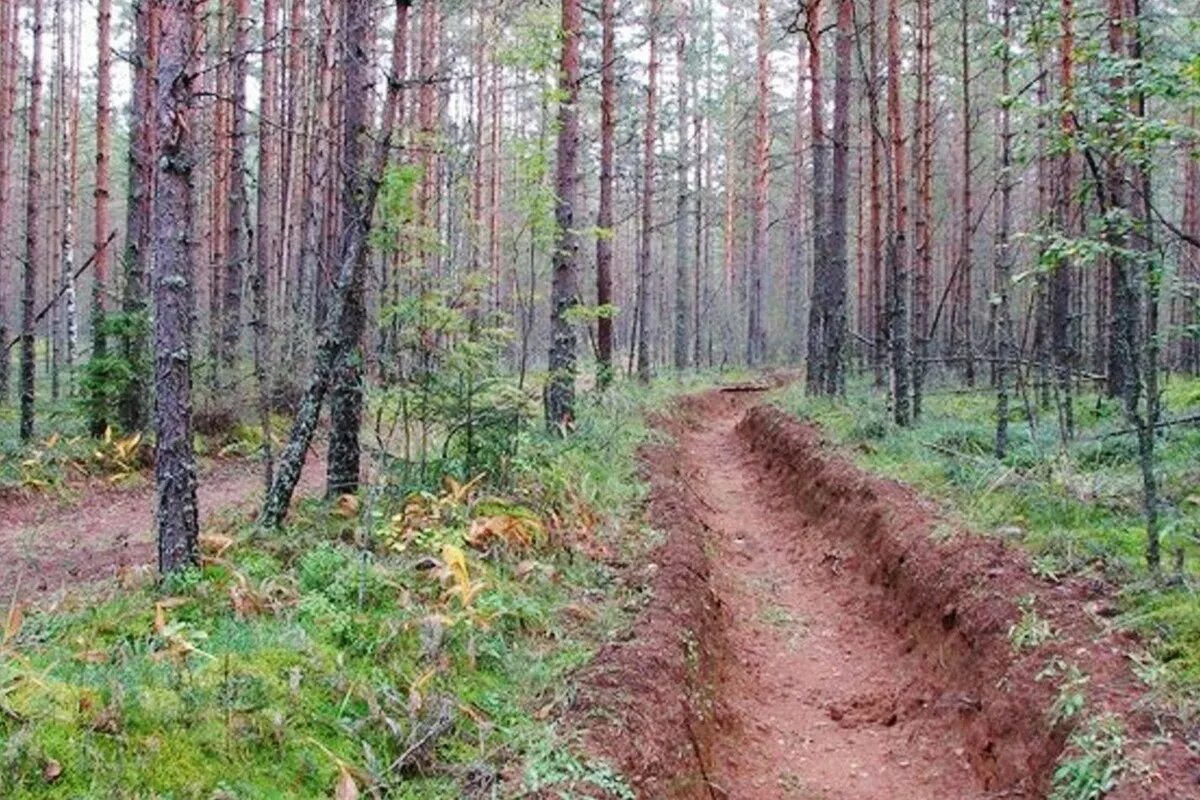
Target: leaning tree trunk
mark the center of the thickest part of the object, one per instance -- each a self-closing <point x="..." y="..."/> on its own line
<point x="560" y="391"/>
<point x="173" y="211"/>
<point x="337" y="338"/>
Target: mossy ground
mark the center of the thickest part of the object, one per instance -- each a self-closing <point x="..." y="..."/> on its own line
<point x="1076" y="507"/>
<point x="294" y="659"/>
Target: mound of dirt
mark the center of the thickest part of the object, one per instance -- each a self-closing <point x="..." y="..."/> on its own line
<point x="814" y="631"/>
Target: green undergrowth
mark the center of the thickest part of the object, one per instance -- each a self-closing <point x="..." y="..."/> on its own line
<point x="421" y="647"/>
<point x="1077" y="509"/>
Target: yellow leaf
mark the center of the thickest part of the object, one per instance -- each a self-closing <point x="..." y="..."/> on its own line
<point x="215" y="544"/>
<point x="347" y="506"/>
<point x="347" y="788"/>
<point x="160" y="618"/>
<point x="16" y="617"/>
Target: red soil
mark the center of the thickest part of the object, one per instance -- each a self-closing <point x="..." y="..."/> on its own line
<point x="50" y="544"/>
<point x="814" y="633"/>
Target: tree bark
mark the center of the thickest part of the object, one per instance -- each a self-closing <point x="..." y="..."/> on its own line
<point x="645" y="367"/>
<point x="683" y="219"/>
<point x="266" y="242"/>
<point x="604" y="217"/>
<point x="756" y="339"/>
<point x="818" y="347"/>
<point x="237" y="251"/>
<point x="898" y="277"/>
<point x="9" y="58"/>
<point x="134" y="402"/>
<point x="834" y="306"/>
<point x="360" y="183"/>
<point x="33" y="232"/>
<point x="1004" y="350"/>
<point x="173" y="211"/>
<point x="560" y="391"/>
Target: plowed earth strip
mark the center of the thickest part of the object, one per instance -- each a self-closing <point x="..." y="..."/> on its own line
<point x="809" y="636"/>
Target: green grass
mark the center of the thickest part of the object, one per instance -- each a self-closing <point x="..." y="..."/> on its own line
<point x="1077" y="509"/>
<point x="323" y="650"/>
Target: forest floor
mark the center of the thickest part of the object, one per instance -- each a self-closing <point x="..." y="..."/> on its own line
<point x="95" y="531"/>
<point x="750" y="615"/>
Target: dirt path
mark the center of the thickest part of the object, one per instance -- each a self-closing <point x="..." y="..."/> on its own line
<point x="48" y="544"/>
<point x="811" y="686"/>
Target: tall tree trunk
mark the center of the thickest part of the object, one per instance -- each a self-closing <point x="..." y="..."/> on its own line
<point x="98" y="423"/>
<point x="756" y="340"/>
<point x="237" y="250"/>
<point x="9" y="58"/>
<point x="646" y="314"/>
<point x="134" y="401"/>
<point x="1190" y="261"/>
<point x="604" y="217"/>
<point x="835" y="289"/>
<point x="818" y="346"/>
<point x="266" y="243"/>
<point x="1004" y="338"/>
<point x="175" y="155"/>
<point x="923" y="221"/>
<point x="798" y="264"/>
<point x="33" y="200"/>
<point x="683" y="219"/>
<point x="965" y="284"/>
<point x="898" y="278"/>
<point x="1062" y="280"/>
<point x="878" y="295"/>
<point x="359" y="182"/>
<point x="560" y="391"/>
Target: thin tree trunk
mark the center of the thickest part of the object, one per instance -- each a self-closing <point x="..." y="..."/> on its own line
<point x="1062" y="280"/>
<point x="756" y="339"/>
<point x="898" y="288"/>
<point x="683" y="219"/>
<point x="560" y="391"/>
<point x="33" y="200"/>
<point x="818" y="347"/>
<point x="98" y="423"/>
<point x="967" y="257"/>
<point x="175" y="155"/>
<point x="1004" y="349"/>
<point x="237" y="250"/>
<point x="266" y="243"/>
<point x="134" y="402"/>
<point x="835" y="290"/>
<point x="923" y="222"/>
<point x="649" y="167"/>
<point x="9" y="58"/>
<point x="604" y="217"/>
